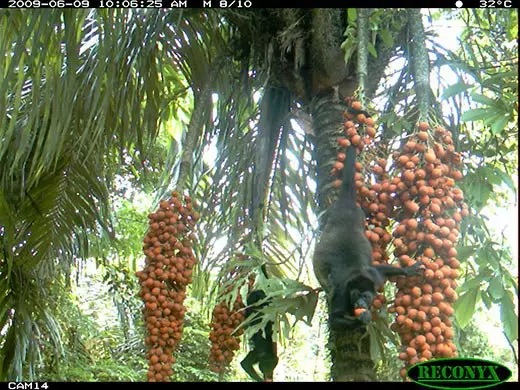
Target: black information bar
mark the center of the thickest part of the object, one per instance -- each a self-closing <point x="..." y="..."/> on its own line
<point x="218" y="385"/>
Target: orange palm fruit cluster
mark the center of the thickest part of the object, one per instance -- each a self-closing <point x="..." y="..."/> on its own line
<point x="224" y="341"/>
<point x="428" y="211"/>
<point x="168" y="271"/>
<point x="224" y="336"/>
<point x="358" y="130"/>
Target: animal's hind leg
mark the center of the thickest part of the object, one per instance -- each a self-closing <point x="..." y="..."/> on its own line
<point x="247" y="365"/>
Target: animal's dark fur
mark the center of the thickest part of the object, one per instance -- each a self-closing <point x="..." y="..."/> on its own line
<point x="263" y="348"/>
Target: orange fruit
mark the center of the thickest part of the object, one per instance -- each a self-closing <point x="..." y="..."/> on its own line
<point x="343" y="142"/>
<point x="356" y="105"/>
<point x="422" y="135"/>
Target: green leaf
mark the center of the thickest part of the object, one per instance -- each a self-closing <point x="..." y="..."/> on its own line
<point x="480" y="191"/>
<point x="348" y="53"/>
<point x="499" y="125"/>
<point x="483" y="99"/>
<point x="352" y="15"/>
<point x="372" y="49"/>
<point x="306" y="307"/>
<point x="492" y="258"/>
<point x="487" y="300"/>
<point x="465" y="307"/>
<point x="496" y="288"/>
<point x="492" y="176"/>
<point x="455" y="89"/>
<point x="382" y="325"/>
<point x="488" y="121"/>
<point x="376" y="350"/>
<point x="464" y="252"/>
<point x="506" y="179"/>
<point x="387" y="38"/>
<point x="244" y="289"/>
<point x="476" y="114"/>
<point x="470" y="284"/>
<point x="498" y="78"/>
<point x="509" y="318"/>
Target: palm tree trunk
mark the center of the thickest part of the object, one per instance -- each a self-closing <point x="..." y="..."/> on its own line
<point x="350" y="355"/>
<point x="350" y="350"/>
<point x="327" y="123"/>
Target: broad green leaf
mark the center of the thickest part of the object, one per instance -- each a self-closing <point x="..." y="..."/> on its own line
<point x="487" y="300"/>
<point x="499" y="125"/>
<point x="352" y="14"/>
<point x="491" y="175"/>
<point x="305" y="306"/>
<point x="476" y="114"/>
<point x="496" y="288"/>
<point x="465" y="307"/>
<point x="499" y="77"/>
<point x="382" y="325"/>
<point x="483" y="99"/>
<point x="376" y="345"/>
<point x="244" y="289"/>
<point x="455" y="89"/>
<point x="492" y="258"/>
<point x="506" y="179"/>
<point x="480" y="191"/>
<point x="464" y="252"/>
<point x="470" y="284"/>
<point x="387" y="38"/>
<point x="511" y="280"/>
<point x="488" y="121"/>
<point x="349" y="50"/>
<point x="481" y="258"/>
<point x="372" y="49"/>
<point x="509" y="318"/>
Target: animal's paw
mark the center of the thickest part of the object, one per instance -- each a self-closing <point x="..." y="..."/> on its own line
<point x="415" y="269"/>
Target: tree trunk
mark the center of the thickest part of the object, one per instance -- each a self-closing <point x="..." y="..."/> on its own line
<point x="350" y="355"/>
<point x="350" y="350"/>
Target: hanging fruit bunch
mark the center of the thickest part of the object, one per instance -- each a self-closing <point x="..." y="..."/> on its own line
<point x="428" y="212"/>
<point x="168" y="271"/>
<point x="225" y="341"/>
<point x="224" y="321"/>
<point x="359" y="130"/>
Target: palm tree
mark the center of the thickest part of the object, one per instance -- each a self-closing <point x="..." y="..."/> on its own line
<point x="86" y="94"/>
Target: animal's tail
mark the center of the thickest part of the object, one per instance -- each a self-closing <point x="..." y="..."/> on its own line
<point x="348" y="187"/>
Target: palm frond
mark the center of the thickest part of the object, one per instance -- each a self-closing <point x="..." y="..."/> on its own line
<point x="76" y="86"/>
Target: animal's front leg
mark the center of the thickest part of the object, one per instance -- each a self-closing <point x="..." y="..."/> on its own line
<point x="389" y="270"/>
<point x="415" y="269"/>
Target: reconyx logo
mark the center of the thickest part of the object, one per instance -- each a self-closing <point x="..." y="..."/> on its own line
<point x="459" y="373"/>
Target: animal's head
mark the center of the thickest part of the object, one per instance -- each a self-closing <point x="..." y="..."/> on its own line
<point x="361" y="297"/>
<point x="362" y="288"/>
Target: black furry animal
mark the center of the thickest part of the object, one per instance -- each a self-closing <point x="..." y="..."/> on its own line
<point x="263" y="348"/>
<point x="343" y="257"/>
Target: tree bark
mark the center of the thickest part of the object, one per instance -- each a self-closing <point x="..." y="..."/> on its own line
<point x="327" y="122"/>
<point x="350" y="355"/>
<point x="362" y="57"/>
<point x="419" y="61"/>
